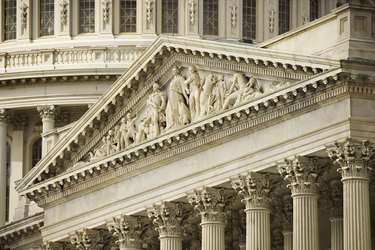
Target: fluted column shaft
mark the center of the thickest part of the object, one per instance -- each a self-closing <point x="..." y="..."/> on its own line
<point x="213" y="236"/>
<point x="288" y="239"/>
<point x="357" y="231"/>
<point x="258" y="233"/>
<point x="305" y="221"/>
<point x="170" y="243"/>
<point x="337" y="233"/>
<point x="3" y="169"/>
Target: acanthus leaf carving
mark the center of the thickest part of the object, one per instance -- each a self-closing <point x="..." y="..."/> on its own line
<point x="234" y="14"/>
<point x="192" y="10"/>
<point x="354" y="158"/>
<point x="167" y="218"/>
<point x="303" y="173"/>
<point x="255" y="188"/>
<point x="128" y="230"/>
<point x="64" y="12"/>
<point x="210" y="202"/>
<point x="149" y="10"/>
<point x="271" y="19"/>
<point x="24" y="16"/>
<point x="106" y="10"/>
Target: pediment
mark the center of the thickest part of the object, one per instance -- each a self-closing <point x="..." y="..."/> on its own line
<point x="174" y="87"/>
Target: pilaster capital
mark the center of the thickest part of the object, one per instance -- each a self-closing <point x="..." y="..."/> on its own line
<point x="87" y="239"/>
<point x="255" y="189"/>
<point x="353" y="157"/>
<point x="128" y="230"/>
<point x="210" y="202"/>
<point x="47" y="111"/>
<point x="167" y="218"/>
<point x="302" y="173"/>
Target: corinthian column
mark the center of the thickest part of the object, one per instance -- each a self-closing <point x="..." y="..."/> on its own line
<point x="3" y="165"/>
<point x="355" y="160"/>
<point x="255" y="188"/>
<point x="128" y="230"/>
<point x="167" y="218"/>
<point x="210" y="202"/>
<point x="336" y="216"/>
<point x="286" y="210"/>
<point x="88" y="239"/>
<point x="47" y="113"/>
<point x="302" y="174"/>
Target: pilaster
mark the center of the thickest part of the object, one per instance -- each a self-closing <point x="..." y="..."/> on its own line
<point x="24" y="28"/>
<point x="210" y="202"/>
<point x="3" y="161"/>
<point x="355" y="159"/>
<point x="105" y="17"/>
<point x="192" y="18"/>
<point x="255" y="188"/>
<point x="234" y="19"/>
<point x="149" y="18"/>
<point x="167" y="219"/>
<point x="128" y="231"/>
<point x="302" y="175"/>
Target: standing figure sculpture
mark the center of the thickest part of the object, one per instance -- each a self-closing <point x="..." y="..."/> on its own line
<point x="219" y="93"/>
<point x="143" y="130"/>
<point x="117" y="137"/>
<point x="177" y="113"/>
<point x="240" y="90"/>
<point x="123" y="132"/>
<point x="131" y="130"/>
<point x="206" y="97"/>
<point x="194" y="83"/>
<point x="155" y="110"/>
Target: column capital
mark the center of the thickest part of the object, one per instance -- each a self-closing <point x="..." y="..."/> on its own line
<point x="47" y="111"/>
<point x="49" y="245"/>
<point x="302" y="173"/>
<point x="167" y="218"/>
<point x="255" y="189"/>
<point x="354" y="158"/>
<point x="210" y="202"/>
<point x="87" y="239"/>
<point x="18" y="121"/>
<point x="128" y="230"/>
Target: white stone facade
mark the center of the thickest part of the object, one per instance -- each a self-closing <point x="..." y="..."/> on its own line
<point x="153" y="140"/>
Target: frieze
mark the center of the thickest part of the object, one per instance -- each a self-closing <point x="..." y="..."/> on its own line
<point x="128" y="157"/>
<point x="266" y="63"/>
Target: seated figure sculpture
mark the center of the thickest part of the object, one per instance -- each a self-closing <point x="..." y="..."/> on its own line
<point x="241" y="90"/>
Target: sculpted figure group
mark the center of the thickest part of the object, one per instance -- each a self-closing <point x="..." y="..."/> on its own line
<point x="187" y="100"/>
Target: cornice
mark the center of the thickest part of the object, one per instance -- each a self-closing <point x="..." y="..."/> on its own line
<point x="22" y="227"/>
<point x="189" y="140"/>
<point x="135" y="75"/>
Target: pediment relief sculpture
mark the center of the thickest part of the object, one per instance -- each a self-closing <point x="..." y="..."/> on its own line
<point x="190" y="96"/>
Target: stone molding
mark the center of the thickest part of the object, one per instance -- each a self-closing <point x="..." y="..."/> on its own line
<point x="354" y="158"/>
<point x="210" y="202"/>
<point x="128" y="230"/>
<point x="255" y="188"/>
<point x="162" y="45"/>
<point x="167" y="218"/>
<point x="50" y="191"/>
<point x="302" y="173"/>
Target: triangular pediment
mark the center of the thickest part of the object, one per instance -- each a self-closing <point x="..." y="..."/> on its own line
<point x="177" y="85"/>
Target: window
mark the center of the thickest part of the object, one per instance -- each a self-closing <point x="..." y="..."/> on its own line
<point x="10" y="19"/>
<point x="86" y="16"/>
<point x="47" y="17"/>
<point x="210" y="17"/>
<point x="314" y="8"/>
<point x="7" y="190"/>
<point x="249" y="19"/>
<point x="169" y="16"/>
<point x="284" y="16"/>
<point x="128" y="15"/>
<point x="36" y="152"/>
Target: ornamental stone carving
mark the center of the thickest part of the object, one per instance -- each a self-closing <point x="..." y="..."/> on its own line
<point x="271" y="19"/>
<point x="255" y="189"/>
<point x="128" y="231"/>
<point x="167" y="218"/>
<point x="64" y="12"/>
<point x="149" y="10"/>
<point x="47" y="112"/>
<point x="192" y="10"/>
<point x="106" y="10"/>
<point x="4" y="115"/>
<point x="87" y="239"/>
<point x="53" y="246"/>
<point x="24" y="13"/>
<point x="233" y="14"/>
<point x="302" y="173"/>
<point x="210" y="202"/>
<point x="18" y="121"/>
<point x="354" y="158"/>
